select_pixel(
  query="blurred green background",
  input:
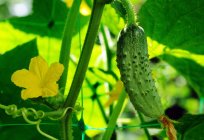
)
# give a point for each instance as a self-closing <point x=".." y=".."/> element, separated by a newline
<point x="174" y="30"/>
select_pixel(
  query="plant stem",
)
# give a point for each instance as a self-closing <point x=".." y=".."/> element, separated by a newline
<point x="85" y="55"/>
<point x="82" y="66"/>
<point x="145" y="129"/>
<point x="94" y="92"/>
<point x="114" y="116"/>
<point x="108" y="58"/>
<point x="67" y="40"/>
<point x="131" y="18"/>
<point x="107" y="48"/>
<point x="201" y="105"/>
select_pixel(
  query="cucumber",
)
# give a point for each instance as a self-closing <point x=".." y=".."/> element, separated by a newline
<point x="133" y="63"/>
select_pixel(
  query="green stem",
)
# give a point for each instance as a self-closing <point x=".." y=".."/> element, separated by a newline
<point x="201" y="105"/>
<point x="94" y="92"/>
<point x="85" y="55"/>
<point x="131" y="18"/>
<point x="114" y="116"/>
<point x="145" y="129"/>
<point x="107" y="48"/>
<point x="67" y="40"/>
<point x="109" y="58"/>
<point x="82" y="66"/>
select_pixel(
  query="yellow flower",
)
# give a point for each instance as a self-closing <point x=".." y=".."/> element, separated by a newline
<point x="84" y="8"/>
<point x="39" y="80"/>
<point x="114" y="94"/>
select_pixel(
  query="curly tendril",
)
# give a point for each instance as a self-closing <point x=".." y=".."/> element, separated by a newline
<point x="37" y="116"/>
<point x="43" y="133"/>
<point x="63" y="114"/>
<point x="12" y="110"/>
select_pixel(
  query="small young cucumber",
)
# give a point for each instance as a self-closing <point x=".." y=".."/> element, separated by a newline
<point x="132" y="61"/>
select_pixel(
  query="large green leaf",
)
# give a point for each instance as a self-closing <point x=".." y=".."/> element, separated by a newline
<point x="47" y="19"/>
<point x="16" y="128"/>
<point x="191" y="127"/>
<point x="11" y="61"/>
<point x="175" y="23"/>
<point x="28" y="132"/>
<point x="191" y="70"/>
<point x="10" y="37"/>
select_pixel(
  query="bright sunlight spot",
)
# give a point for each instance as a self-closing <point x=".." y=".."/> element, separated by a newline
<point x="20" y="9"/>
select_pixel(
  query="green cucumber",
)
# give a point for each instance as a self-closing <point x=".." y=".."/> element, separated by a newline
<point x="133" y="63"/>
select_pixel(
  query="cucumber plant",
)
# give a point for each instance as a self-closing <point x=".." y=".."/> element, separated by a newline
<point x="133" y="63"/>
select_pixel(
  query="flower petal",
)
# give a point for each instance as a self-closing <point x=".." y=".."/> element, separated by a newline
<point x="114" y="94"/>
<point x="68" y="3"/>
<point x="84" y="8"/>
<point x="38" y="66"/>
<point x="24" y="78"/>
<point x="31" y="93"/>
<point x="50" y="89"/>
<point x="119" y="86"/>
<point x="54" y="72"/>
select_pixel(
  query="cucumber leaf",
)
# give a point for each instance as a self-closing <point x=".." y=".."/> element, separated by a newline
<point x="174" y="23"/>
<point x="15" y="59"/>
<point x="191" y="127"/>
<point x="47" y="19"/>
<point x="191" y="70"/>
